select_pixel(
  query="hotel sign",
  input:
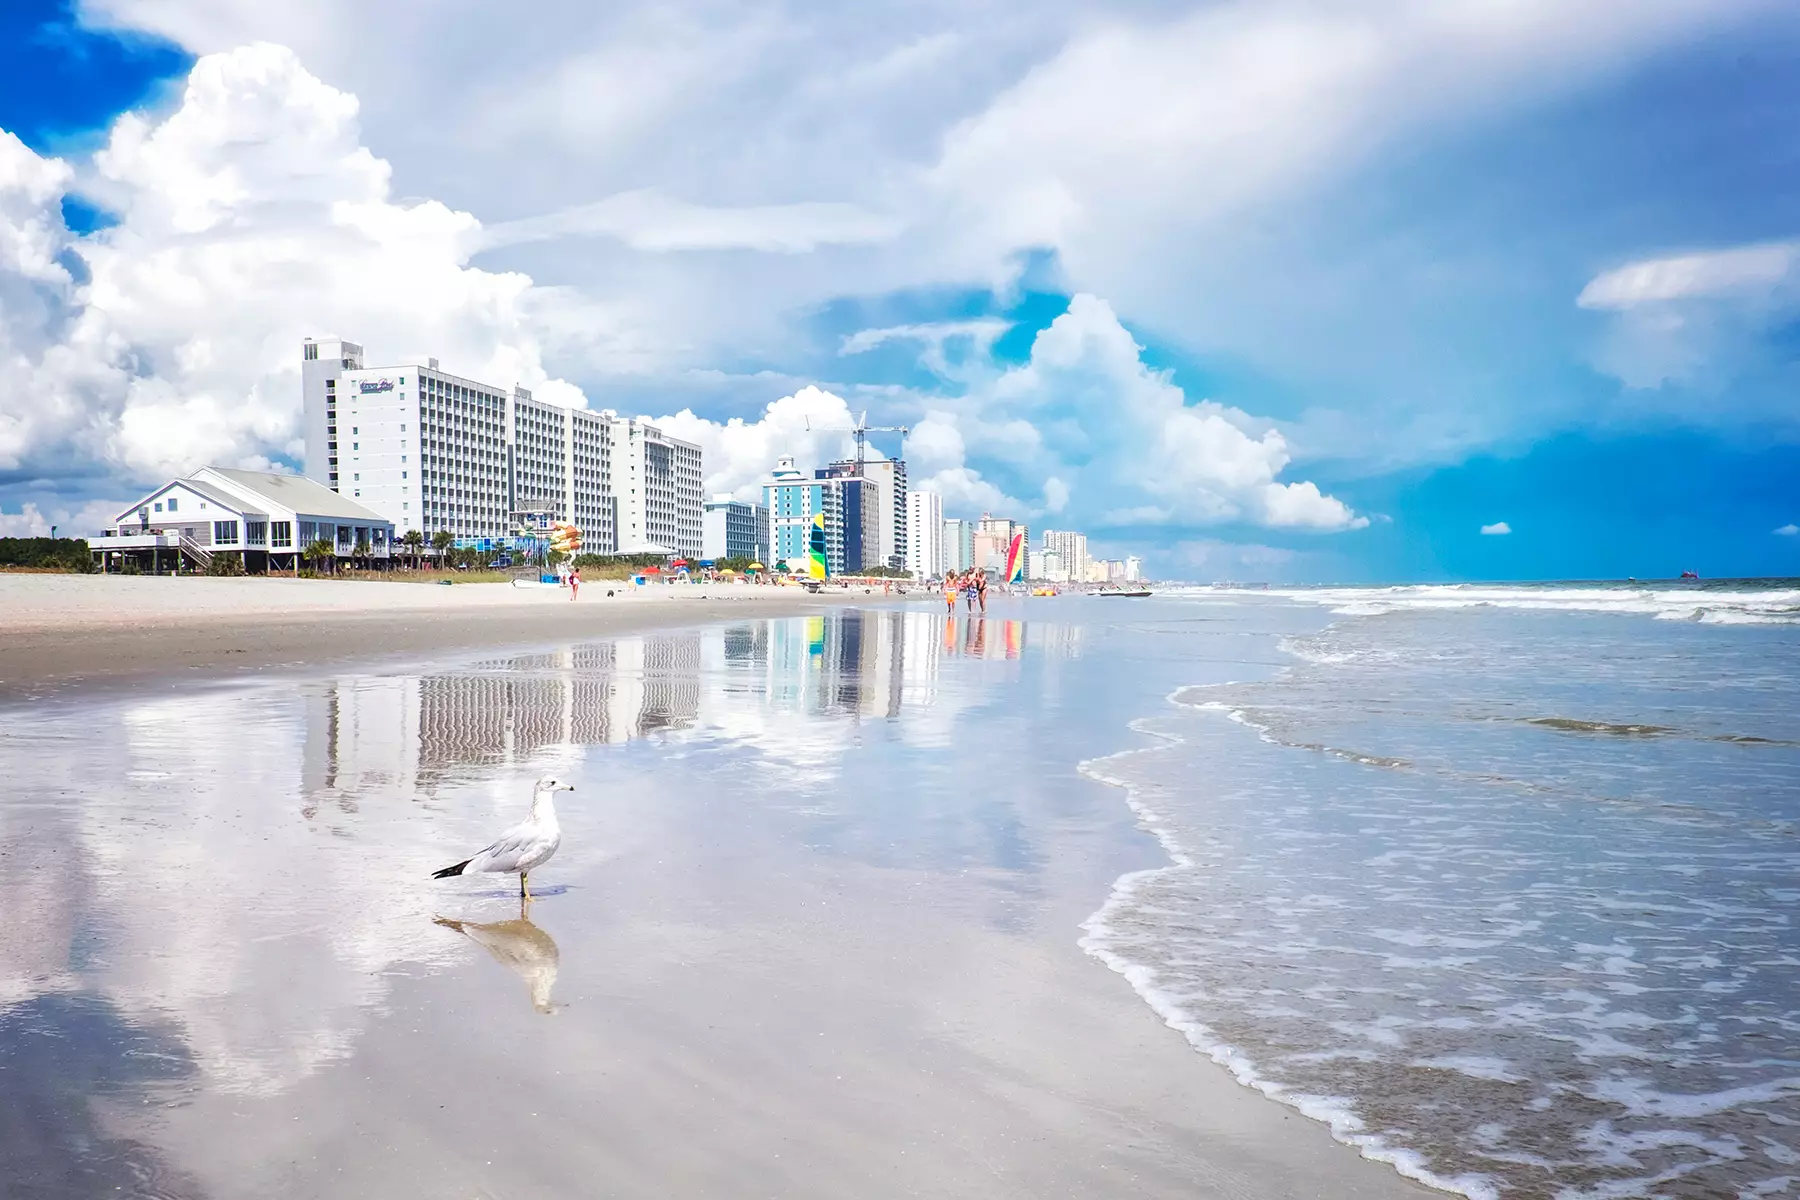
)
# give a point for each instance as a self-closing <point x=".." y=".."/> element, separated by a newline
<point x="375" y="385"/>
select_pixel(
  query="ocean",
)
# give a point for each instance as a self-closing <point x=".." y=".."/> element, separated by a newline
<point x="1500" y="882"/>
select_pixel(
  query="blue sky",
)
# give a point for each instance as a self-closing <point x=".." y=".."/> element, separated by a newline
<point x="1288" y="291"/>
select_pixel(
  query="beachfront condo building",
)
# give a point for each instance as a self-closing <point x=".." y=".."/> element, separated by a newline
<point x="959" y="544"/>
<point x="1072" y="552"/>
<point x="993" y="537"/>
<point x="434" y="451"/>
<point x="793" y="501"/>
<point x="925" y="535"/>
<point x="892" y="522"/>
<point x="862" y="510"/>
<point x="850" y="504"/>
<point x="734" y="529"/>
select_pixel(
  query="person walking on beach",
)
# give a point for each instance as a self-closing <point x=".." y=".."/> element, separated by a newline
<point x="950" y="593"/>
<point x="981" y="591"/>
<point x="574" y="582"/>
<point x="968" y="589"/>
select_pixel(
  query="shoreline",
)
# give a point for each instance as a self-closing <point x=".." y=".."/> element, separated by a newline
<point x="62" y="631"/>
<point x="1007" y="1025"/>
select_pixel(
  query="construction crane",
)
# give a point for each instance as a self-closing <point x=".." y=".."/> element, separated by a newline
<point x="860" y="431"/>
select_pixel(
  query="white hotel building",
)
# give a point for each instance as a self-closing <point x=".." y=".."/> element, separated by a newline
<point x="434" y="451"/>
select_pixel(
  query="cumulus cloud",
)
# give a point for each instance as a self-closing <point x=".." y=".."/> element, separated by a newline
<point x="1497" y="529"/>
<point x="1119" y="435"/>
<point x="33" y="520"/>
<point x="1789" y="530"/>
<point x="249" y="217"/>
<point x="812" y="425"/>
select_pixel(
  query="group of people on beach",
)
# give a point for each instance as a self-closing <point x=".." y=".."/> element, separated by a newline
<point x="972" y="584"/>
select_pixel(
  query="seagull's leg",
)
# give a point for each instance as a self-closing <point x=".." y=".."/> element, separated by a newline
<point x="524" y="887"/>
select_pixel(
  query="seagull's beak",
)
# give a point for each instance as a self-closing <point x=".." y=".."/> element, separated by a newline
<point x="568" y="787"/>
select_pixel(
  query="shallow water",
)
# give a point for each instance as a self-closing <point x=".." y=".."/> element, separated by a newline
<point x="1504" y="891"/>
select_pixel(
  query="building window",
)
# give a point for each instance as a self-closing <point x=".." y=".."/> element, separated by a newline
<point x="309" y="532"/>
<point x="255" y="532"/>
<point x="225" y="532"/>
<point x="281" y="533"/>
<point x="159" y="506"/>
<point x="171" y="504"/>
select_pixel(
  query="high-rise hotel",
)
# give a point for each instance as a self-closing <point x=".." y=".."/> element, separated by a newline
<point x="434" y="451"/>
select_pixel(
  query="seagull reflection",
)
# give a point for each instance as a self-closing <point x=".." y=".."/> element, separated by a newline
<point x="521" y="947"/>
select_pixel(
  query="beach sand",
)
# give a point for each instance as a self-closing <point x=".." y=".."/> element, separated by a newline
<point x="813" y="932"/>
<point x="58" y="630"/>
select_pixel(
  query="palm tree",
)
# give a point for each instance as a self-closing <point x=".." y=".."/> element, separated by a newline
<point x="415" y="542"/>
<point x="319" y="551"/>
<point x="442" y="540"/>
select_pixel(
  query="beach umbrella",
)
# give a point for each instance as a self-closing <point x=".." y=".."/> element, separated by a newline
<point x="756" y="566"/>
<point x="678" y="562"/>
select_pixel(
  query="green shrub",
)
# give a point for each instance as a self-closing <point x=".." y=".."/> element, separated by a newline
<point x="48" y="554"/>
<point x="225" y="563"/>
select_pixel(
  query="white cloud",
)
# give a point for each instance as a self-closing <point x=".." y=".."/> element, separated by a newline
<point x="1739" y="271"/>
<point x="249" y="217"/>
<point x="1692" y="317"/>
<point x="1117" y="433"/>
<point x="969" y="339"/>
<point x="885" y="147"/>
<point x="645" y="220"/>
<point x="1789" y="530"/>
<point x="811" y="425"/>
<point x="34" y="520"/>
<point x="27" y="522"/>
<point x="1497" y="529"/>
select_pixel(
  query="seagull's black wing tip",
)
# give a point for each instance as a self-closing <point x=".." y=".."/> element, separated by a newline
<point x="447" y="872"/>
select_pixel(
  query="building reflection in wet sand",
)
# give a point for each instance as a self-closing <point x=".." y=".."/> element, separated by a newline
<point x="238" y="869"/>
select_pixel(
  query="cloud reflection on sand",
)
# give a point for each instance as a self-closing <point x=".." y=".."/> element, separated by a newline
<point x="246" y="865"/>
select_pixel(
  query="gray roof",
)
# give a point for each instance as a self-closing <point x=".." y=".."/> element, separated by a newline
<point x="212" y="493"/>
<point x="222" y="498"/>
<point x="300" y="494"/>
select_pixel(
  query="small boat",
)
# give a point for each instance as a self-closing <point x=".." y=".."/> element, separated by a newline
<point x="1690" y="575"/>
<point x="1133" y="593"/>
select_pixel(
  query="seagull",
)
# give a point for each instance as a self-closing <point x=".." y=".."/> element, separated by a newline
<point x="526" y="845"/>
<point x="521" y="947"/>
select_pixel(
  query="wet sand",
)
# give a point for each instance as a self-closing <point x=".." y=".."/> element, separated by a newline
<point x="61" y="630"/>
<point x="786" y="950"/>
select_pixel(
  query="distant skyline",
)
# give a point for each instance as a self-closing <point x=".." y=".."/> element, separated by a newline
<point x="1361" y="291"/>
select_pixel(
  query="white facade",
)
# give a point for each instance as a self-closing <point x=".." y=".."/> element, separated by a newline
<point x="959" y="544"/>
<point x="321" y="365"/>
<point x="435" y="452"/>
<point x="656" y="481"/>
<point x="925" y="535"/>
<point x="267" y="517"/>
<point x="1071" y="548"/>
<point x="1134" y="569"/>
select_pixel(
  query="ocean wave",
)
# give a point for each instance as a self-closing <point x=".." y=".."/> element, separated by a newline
<point x="1500" y="983"/>
<point x="1722" y="606"/>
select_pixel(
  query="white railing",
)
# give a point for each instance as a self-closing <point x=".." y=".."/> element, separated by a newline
<point x="194" y="550"/>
